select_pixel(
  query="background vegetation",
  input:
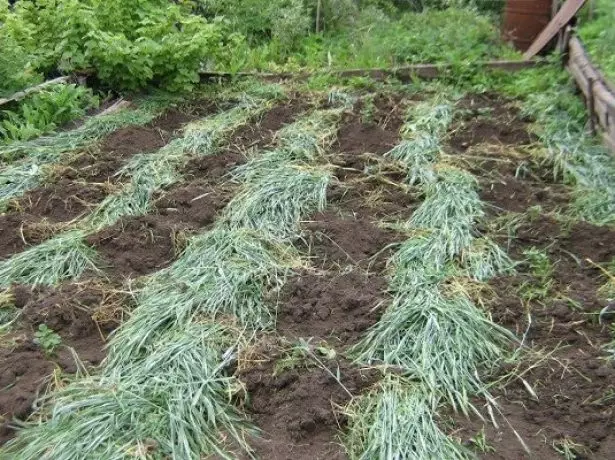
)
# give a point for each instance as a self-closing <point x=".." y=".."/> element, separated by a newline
<point x="598" y="34"/>
<point x="128" y="44"/>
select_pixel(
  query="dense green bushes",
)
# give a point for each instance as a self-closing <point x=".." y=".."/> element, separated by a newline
<point x="126" y="43"/>
<point x="375" y="39"/>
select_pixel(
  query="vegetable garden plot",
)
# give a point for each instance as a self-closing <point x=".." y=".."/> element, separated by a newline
<point x="81" y="184"/>
<point x="558" y="396"/>
<point x="327" y="277"/>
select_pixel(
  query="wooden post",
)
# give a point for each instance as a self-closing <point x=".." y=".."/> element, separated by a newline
<point x="592" y="4"/>
<point x="591" y="106"/>
<point x="564" y="46"/>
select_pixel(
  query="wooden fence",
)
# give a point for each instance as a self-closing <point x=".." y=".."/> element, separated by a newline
<point x="599" y="93"/>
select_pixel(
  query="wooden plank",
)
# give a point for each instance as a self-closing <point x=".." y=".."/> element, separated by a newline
<point x="561" y="19"/>
<point x="424" y="71"/>
<point x="33" y="89"/>
<point x="595" y="88"/>
<point x="609" y="140"/>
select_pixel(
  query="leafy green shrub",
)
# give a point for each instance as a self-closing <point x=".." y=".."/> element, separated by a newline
<point x="16" y="71"/>
<point x="126" y="43"/>
<point x="44" y="111"/>
<point x="47" y="339"/>
<point x="377" y="40"/>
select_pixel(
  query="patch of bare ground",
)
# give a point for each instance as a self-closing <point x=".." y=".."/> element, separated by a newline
<point x="569" y="370"/>
<point x="295" y="403"/>
<point x="82" y="314"/>
<point x="488" y="118"/>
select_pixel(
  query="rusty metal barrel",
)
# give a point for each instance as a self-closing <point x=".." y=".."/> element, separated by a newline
<point x="524" y="20"/>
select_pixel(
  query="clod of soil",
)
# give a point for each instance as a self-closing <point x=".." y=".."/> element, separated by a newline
<point x="357" y="138"/>
<point x="336" y="240"/>
<point x="11" y="230"/>
<point x="378" y="135"/>
<point x="136" y="246"/>
<point x="212" y="168"/>
<point x="193" y="206"/>
<point x="515" y="195"/>
<point x="337" y="307"/>
<point x="68" y="310"/>
<point x="489" y="119"/>
<point x="296" y="408"/>
<point x="65" y="200"/>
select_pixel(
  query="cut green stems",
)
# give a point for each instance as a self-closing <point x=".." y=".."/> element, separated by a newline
<point x="443" y="342"/>
<point x="172" y="401"/>
<point x="274" y="203"/>
<point x="61" y="258"/>
<point x="395" y="421"/>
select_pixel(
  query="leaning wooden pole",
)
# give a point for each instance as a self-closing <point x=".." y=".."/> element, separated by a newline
<point x="33" y="89"/>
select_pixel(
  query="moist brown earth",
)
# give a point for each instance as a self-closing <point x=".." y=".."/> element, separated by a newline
<point x="516" y="195"/>
<point x="45" y="211"/>
<point x="488" y="118"/>
<point x="73" y="311"/>
<point x="337" y="307"/>
<point x="337" y="299"/>
<point x="82" y="184"/>
<point x="295" y="405"/>
<point x="575" y="380"/>
<point x="337" y="240"/>
<point x="377" y="133"/>
<point x="137" y="246"/>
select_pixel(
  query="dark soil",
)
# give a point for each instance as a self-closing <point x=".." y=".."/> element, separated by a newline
<point x="296" y="408"/>
<point x="575" y="381"/>
<point x="136" y="246"/>
<point x="489" y="118"/>
<point x="377" y="133"/>
<point x="337" y="240"/>
<point x="69" y="310"/>
<point x="516" y="195"/>
<point x="337" y="307"/>
<point x="44" y="211"/>
<point x="64" y="200"/>
<point x="102" y="163"/>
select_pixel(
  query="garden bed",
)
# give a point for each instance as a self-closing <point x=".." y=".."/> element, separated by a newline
<point x="307" y="203"/>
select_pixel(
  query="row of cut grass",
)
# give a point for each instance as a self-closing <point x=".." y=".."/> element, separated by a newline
<point x="67" y="256"/>
<point x="432" y="341"/>
<point x="37" y="157"/>
<point x="568" y="149"/>
<point x="163" y="390"/>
